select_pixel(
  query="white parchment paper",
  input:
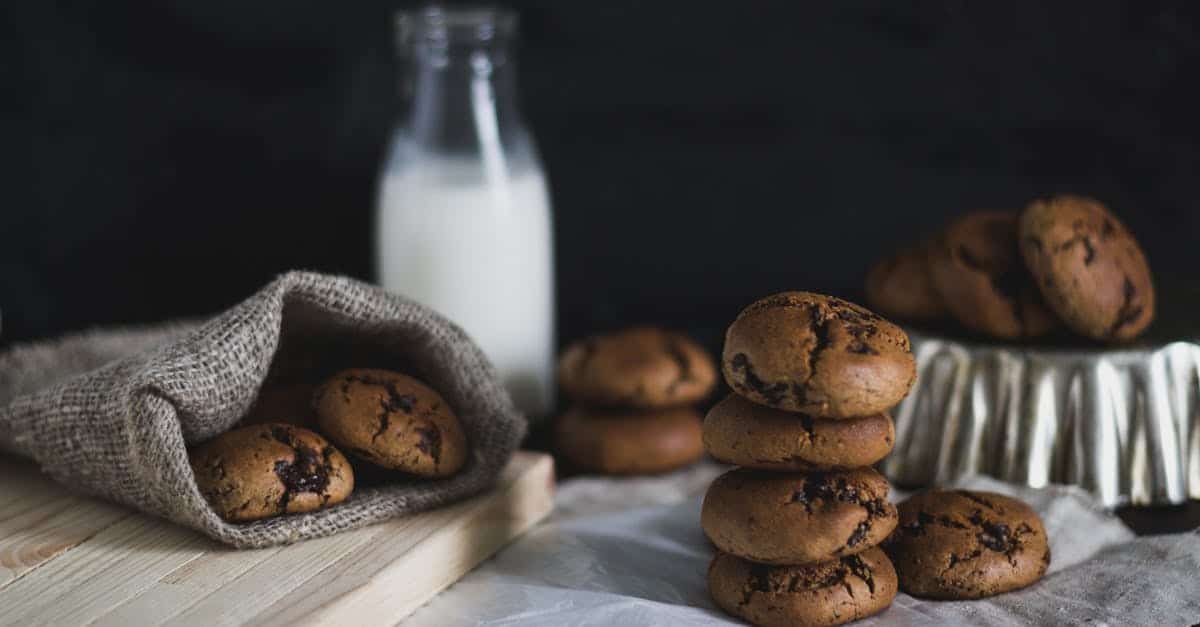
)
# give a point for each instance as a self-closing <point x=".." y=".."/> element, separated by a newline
<point x="631" y="552"/>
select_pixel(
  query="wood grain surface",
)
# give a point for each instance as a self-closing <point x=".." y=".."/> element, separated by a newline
<point x="71" y="560"/>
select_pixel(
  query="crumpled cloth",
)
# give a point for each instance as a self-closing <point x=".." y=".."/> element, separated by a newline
<point x="631" y="552"/>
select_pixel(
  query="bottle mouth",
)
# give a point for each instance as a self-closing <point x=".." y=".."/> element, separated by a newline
<point x="459" y="24"/>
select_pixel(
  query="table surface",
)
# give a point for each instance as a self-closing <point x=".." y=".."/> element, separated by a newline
<point x="1142" y="520"/>
<point x="67" y="559"/>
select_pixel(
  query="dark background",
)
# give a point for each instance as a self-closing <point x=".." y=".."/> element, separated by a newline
<point x="167" y="158"/>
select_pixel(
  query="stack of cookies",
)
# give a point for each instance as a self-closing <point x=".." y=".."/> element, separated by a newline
<point x="798" y="524"/>
<point x="633" y="395"/>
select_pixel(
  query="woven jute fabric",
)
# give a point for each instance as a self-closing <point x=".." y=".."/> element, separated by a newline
<point x="112" y="413"/>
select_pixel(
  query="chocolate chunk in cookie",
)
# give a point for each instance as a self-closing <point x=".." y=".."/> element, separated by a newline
<point x="827" y="593"/>
<point x="391" y="420"/>
<point x="819" y="355"/>
<point x="643" y="367"/>
<point x="747" y="434"/>
<point x="901" y="286"/>
<point x="785" y="518"/>
<point x="265" y="470"/>
<point x="977" y="268"/>
<point x="1089" y="267"/>
<point x="957" y="544"/>
<point x="627" y="442"/>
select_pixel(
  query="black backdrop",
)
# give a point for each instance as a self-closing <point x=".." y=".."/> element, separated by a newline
<point x="165" y="158"/>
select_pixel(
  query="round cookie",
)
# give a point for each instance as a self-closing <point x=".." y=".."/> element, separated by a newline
<point x="827" y="593"/>
<point x="967" y="545"/>
<point x="747" y="434"/>
<point x="265" y="470"/>
<point x="818" y="355"/>
<point x="785" y="518"/>
<point x="391" y="420"/>
<point x="1089" y="267"/>
<point x="642" y="367"/>
<point x="900" y="285"/>
<point x="977" y="268"/>
<point x="629" y="442"/>
<point x="289" y="403"/>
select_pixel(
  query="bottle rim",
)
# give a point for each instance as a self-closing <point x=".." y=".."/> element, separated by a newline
<point x="473" y="23"/>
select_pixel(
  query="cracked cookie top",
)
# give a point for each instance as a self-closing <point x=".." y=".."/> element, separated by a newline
<point x="797" y="518"/>
<point x="958" y="544"/>
<point x="265" y="470"/>
<point x="1088" y="266"/>
<point x="742" y="433"/>
<point x="827" y="593"/>
<point x="641" y="367"/>
<point x="977" y="268"/>
<point x="391" y="420"/>
<point x="819" y="355"/>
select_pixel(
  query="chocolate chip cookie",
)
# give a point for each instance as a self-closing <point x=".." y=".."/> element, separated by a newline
<point x="818" y="355"/>
<point x="642" y="367"/>
<point x="628" y="442"/>
<point x="901" y="286"/>
<point x="1089" y="267"/>
<point x="828" y="593"/>
<point x="958" y="544"/>
<point x="266" y="470"/>
<point x="977" y="268"/>
<point x="742" y="433"/>
<point x="391" y="420"/>
<point x="289" y="403"/>
<point x="785" y="518"/>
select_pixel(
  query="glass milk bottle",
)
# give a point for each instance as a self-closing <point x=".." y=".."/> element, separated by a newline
<point x="463" y="215"/>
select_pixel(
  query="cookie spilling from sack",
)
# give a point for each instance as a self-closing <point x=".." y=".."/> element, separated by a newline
<point x="302" y="446"/>
<point x="266" y="470"/>
<point x="391" y="420"/>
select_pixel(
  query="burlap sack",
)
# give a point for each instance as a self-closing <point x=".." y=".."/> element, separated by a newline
<point x="112" y="412"/>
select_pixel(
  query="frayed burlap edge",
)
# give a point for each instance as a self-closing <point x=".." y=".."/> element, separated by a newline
<point x="111" y="413"/>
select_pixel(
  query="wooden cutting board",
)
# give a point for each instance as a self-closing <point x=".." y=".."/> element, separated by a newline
<point x="70" y="560"/>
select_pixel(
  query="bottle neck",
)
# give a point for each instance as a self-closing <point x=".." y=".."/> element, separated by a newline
<point x="464" y="97"/>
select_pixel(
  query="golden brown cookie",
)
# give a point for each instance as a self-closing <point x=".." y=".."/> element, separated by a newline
<point x="827" y="593"/>
<point x="628" y="442"/>
<point x="977" y="268"/>
<point x="901" y="286"/>
<point x="794" y="518"/>
<point x="1089" y="267"/>
<point x="391" y="420"/>
<point x="956" y="544"/>
<point x="642" y="367"/>
<point x="742" y="433"/>
<point x="289" y="403"/>
<point x="819" y="355"/>
<point x="266" y="470"/>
